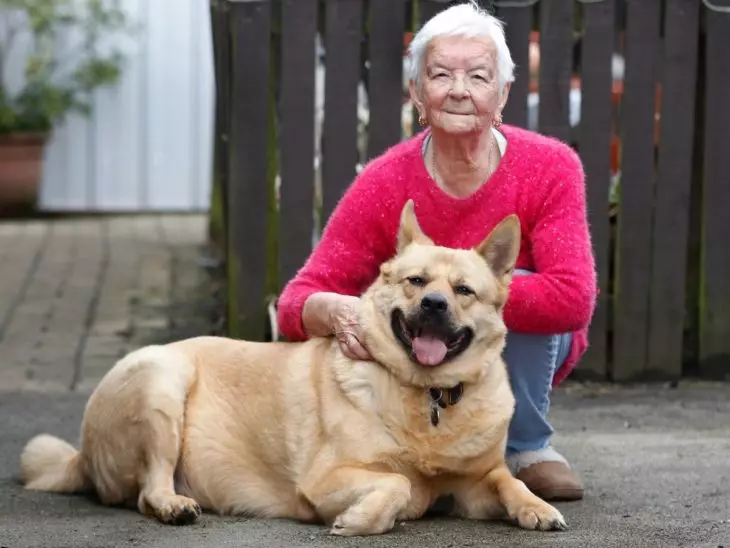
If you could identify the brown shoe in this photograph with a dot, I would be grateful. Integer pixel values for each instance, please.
(552, 481)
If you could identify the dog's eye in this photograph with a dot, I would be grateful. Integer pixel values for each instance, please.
(418, 281)
(464, 290)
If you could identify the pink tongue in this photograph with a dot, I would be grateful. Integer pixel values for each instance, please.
(429, 350)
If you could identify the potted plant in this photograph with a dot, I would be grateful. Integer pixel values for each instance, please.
(65, 50)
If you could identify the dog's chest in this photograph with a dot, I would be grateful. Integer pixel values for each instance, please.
(464, 433)
(397, 423)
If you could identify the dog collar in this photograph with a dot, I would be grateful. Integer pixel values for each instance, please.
(441, 397)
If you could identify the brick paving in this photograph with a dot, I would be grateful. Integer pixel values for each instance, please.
(77, 293)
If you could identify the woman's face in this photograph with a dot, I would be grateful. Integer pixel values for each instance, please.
(459, 88)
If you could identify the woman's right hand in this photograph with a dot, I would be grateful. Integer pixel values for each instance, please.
(345, 323)
(326, 314)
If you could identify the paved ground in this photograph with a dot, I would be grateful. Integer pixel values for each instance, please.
(76, 294)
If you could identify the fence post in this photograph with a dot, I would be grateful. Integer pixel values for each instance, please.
(636, 205)
(595, 150)
(221, 65)
(674, 181)
(518, 22)
(715, 297)
(296, 221)
(248, 192)
(342, 61)
(556, 35)
(387, 21)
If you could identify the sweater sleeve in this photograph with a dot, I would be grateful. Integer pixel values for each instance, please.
(347, 258)
(560, 296)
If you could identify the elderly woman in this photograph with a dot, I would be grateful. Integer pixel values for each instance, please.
(465, 173)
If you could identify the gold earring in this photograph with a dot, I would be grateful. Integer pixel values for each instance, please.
(497, 121)
(422, 120)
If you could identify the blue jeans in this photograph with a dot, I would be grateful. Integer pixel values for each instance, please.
(531, 362)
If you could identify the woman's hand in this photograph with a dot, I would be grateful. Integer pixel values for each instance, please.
(345, 322)
(326, 314)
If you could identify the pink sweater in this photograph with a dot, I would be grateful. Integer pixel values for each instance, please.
(539, 178)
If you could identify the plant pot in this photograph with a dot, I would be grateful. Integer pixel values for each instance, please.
(21, 165)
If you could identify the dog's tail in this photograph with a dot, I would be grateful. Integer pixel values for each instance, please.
(50, 464)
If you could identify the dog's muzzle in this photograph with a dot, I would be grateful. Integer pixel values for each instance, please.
(429, 335)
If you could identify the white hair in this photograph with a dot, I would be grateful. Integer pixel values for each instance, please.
(468, 20)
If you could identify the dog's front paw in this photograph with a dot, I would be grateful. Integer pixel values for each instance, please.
(178, 510)
(355, 522)
(540, 516)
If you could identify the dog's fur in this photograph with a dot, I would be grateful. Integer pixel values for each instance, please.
(298, 430)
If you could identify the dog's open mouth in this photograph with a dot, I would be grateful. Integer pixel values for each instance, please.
(426, 344)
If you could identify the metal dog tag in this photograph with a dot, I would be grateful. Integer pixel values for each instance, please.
(435, 412)
(435, 405)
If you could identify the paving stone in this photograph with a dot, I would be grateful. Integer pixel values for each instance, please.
(113, 326)
(22, 379)
(77, 294)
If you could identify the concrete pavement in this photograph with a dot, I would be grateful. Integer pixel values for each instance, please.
(655, 463)
(76, 294)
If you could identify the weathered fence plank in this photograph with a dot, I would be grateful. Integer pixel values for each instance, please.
(674, 178)
(296, 222)
(518, 22)
(342, 62)
(595, 151)
(387, 22)
(637, 191)
(715, 299)
(248, 192)
(220, 33)
(556, 40)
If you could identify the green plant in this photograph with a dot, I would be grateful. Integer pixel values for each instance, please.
(70, 54)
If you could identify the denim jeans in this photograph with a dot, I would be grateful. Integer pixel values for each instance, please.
(531, 362)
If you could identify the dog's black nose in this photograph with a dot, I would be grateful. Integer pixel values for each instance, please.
(434, 302)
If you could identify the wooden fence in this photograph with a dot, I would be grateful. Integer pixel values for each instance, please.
(661, 132)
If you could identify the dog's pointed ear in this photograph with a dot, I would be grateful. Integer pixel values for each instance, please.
(409, 230)
(502, 246)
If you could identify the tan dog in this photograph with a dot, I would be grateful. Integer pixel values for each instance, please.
(298, 430)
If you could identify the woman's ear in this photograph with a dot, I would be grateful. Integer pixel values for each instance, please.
(415, 99)
(504, 96)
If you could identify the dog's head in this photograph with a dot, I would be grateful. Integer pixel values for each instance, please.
(434, 315)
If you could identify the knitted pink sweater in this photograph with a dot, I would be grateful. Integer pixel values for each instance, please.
(539, 178)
